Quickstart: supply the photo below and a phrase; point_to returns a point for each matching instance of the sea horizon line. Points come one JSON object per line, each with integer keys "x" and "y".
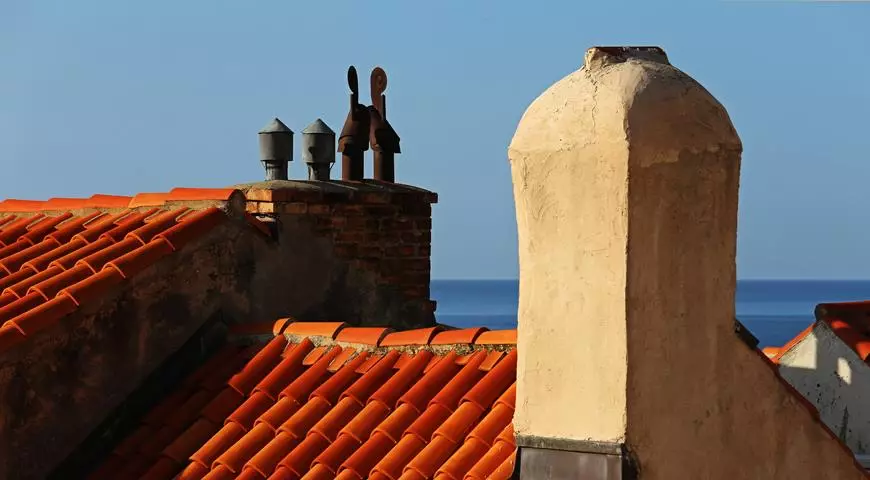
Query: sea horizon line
{"x": 748, "y": 279}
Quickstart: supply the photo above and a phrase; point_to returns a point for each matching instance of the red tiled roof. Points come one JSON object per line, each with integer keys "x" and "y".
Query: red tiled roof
{"x": 51, "y": 263}
{"x": 850, "y": 321}
{"x": 308, "y": 405}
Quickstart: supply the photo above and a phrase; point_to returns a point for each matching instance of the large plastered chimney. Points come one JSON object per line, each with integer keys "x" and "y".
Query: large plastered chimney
{"x": 625, "y": 179}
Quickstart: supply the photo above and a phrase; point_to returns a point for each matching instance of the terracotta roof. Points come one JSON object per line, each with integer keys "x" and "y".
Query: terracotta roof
{"x": 850, "y": 321}
{"x": 58, "y": 254}
{"x": 328, "y": 401}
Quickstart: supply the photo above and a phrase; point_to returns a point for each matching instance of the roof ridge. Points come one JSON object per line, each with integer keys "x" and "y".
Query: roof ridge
{"x": 103, "y": 201}
{"x": 343, "y": 334}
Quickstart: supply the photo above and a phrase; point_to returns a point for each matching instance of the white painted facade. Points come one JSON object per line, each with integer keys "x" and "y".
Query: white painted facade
{"x": 832, "y": 377}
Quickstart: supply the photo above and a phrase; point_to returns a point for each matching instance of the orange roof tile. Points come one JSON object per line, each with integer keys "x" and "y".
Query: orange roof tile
{"x": 299, "y": 411}
{"x": 149, "y": 199}
{"x": 410, "y": 337}
{"x": 467, "y": 335}
{"x": 326, "y": 329}
{"x": 364, "y": 335}
{"x": 51, "y": 263}
{"x": 182, "y": 193}
{"x": 771, "y": 352}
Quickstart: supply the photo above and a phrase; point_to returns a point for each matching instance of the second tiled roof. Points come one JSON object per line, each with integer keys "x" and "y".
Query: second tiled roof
{"x": 848, "y": 320}
{"x": 317, "y": 402}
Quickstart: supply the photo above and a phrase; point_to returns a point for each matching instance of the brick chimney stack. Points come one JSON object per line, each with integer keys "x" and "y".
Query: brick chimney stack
{"x": 364, "y": 245}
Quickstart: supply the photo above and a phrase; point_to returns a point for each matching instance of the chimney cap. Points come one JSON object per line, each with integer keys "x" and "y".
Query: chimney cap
{"x": 276, "y": 149}
{"x": 275, "y": 126}
{"x": 318, "y": 127}
{"x": 382, "y": 137}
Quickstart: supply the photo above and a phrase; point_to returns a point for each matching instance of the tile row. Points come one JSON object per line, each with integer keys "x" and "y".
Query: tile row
{"x": 387, "y": 337}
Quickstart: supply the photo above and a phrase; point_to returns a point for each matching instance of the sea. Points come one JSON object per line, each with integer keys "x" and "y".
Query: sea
{"x": 773, "y": 310}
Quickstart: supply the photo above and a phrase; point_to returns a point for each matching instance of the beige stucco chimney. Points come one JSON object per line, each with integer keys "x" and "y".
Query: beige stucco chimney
{"x": 625, "y": 178}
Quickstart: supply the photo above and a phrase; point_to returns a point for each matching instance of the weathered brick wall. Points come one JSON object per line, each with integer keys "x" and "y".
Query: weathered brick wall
{"x": 384, "y": 229}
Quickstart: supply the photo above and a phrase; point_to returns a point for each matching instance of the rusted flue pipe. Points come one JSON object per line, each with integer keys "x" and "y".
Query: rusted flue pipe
{"x": 384, "y": 140}
{"x": 354, "y": 138}
{"x": 385, "y": 167}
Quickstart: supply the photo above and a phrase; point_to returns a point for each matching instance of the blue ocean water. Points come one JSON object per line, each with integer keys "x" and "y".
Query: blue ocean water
{"x": 773, "y": 310}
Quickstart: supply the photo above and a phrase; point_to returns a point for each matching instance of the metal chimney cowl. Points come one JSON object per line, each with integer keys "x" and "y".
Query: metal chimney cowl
{"x": 276, "y": 149}
{"x": 353, "y": 140}
{"x": 318, "y": 149}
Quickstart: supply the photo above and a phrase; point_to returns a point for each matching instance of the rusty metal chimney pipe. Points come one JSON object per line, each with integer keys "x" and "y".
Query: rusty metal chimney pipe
{"x": 384, "y": 140}
{"x": 385, "y": 166}
{"x": 354, "y": 138}
{"x": 352, "y": 162}
{"x": 276, "y": 149}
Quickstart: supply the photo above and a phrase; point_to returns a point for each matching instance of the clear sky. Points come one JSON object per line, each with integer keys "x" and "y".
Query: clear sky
{"x": 123, "y": 97}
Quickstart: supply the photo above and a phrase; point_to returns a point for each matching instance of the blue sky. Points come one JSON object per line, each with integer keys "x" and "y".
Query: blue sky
{"x": 122, "y": 97}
